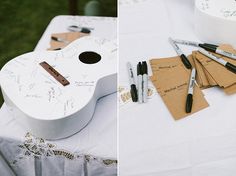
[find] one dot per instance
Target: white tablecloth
(151, 142)
(99, 138)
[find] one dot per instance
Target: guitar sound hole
(89, 57)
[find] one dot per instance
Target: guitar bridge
(61, 79)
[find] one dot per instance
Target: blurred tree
(24, 21)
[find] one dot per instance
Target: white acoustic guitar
(54, 93)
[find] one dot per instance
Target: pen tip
(144, 67)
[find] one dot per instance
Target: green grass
(22, 22)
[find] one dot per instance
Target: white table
(151, 142)
(99, 137)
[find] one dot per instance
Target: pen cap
(144, 67)
(231, 67)
(185, 61)
(85, 30)
(189, 103)
(54, 38)
(211, 45)
(139, 69)
(208, 47)
(134, 94)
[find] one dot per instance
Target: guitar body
(37, 97)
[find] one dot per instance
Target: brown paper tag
(230, 90)
(165, 63)
(228, 48)
(201, 77)
(171, 80)
(222, 76)
(68, 36)
(206, 79)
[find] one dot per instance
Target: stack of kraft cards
(171, 79)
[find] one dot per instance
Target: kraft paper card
(201, 77)
(230, 90)
(228, 48)
(165, 63)
(222, 76)
(206, 80)
(214, 72)
(171, 80)
(67, 36)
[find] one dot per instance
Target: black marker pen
(75, 28)
(133, 90)
(221, 61)
(208, 47)
(184, 59)
(140, 82)
(145, 81)
(189, 99)
(218, 51)
(191, 43)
